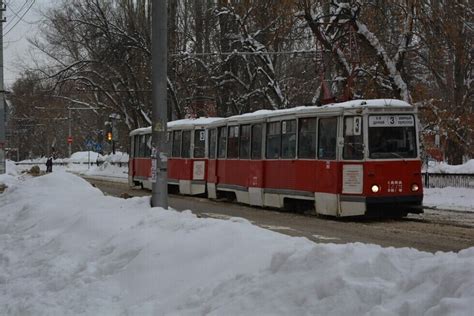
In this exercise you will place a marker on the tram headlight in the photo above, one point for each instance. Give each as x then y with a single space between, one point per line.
415 187
375 188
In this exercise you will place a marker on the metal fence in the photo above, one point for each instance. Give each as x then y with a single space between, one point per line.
442 180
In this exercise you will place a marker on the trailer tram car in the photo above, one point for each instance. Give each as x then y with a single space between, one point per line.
187 163
347 159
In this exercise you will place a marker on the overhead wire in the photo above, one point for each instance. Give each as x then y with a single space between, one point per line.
10 7
19 19
17 13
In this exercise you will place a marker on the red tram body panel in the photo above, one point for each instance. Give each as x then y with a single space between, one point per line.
140 168
349 159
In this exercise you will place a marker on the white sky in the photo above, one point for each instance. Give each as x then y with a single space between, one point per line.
21 24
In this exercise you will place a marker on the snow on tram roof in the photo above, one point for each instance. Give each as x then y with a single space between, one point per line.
194 122
181 123
369 103
140 131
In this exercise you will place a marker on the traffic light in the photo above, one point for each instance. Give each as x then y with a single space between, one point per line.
108 132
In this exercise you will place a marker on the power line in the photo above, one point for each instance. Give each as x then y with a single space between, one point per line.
241 53
20 19
14 12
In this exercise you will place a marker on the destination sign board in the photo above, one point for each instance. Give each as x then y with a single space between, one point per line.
391 120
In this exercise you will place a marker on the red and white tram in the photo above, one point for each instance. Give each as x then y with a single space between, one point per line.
346 159
187 155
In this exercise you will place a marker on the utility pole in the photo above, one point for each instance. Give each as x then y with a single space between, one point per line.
2 95
69 137
159 48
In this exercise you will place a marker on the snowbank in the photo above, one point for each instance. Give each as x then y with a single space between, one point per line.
442 167
105 171
41 160
85 156
117 157
108 169
10 168
455 199
10 175
65 248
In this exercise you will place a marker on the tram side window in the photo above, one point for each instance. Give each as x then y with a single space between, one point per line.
233 142
212 143
256 145
186 144
327 138
199 143
176 143
273 140
169 142
147 145
244 142
353 138
136 146
142 146
307 138
288 139
222 143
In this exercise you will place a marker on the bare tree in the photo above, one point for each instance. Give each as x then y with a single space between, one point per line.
332 26
229 57
446 41
103 47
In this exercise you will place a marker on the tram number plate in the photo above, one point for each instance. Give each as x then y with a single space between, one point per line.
394 186
357 125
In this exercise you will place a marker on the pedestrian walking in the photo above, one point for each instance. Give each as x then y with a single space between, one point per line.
49 164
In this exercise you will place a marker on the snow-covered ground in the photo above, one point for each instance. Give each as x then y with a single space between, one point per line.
66 249
449 198
84 157
79 164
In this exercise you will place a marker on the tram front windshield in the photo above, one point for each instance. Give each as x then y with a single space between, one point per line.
392 136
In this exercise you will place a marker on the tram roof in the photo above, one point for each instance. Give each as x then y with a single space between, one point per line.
261 114
184 123
353 104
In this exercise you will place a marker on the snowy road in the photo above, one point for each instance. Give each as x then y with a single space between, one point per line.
432 231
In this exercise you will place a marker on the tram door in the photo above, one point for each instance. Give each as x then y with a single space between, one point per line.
199 164
212 163
327 178
351 201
